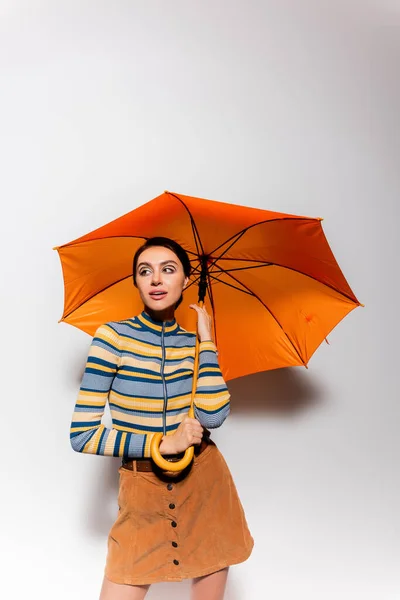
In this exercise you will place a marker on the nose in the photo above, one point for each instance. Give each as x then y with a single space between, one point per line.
156 279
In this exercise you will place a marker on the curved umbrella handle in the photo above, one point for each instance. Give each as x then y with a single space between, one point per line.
165 464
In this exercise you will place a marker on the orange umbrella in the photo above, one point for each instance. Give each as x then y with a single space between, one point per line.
270 279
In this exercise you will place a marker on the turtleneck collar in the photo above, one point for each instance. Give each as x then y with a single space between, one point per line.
157 326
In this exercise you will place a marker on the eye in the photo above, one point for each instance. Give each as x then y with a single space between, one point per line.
171 269
143 271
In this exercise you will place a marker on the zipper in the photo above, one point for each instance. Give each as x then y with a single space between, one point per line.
164 384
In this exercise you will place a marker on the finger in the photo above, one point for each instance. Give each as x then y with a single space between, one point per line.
192 421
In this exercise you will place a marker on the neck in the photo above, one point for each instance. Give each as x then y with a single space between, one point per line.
161 315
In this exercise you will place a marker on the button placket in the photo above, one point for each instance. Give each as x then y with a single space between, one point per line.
174 524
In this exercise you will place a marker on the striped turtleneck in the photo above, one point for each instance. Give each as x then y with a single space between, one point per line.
144 368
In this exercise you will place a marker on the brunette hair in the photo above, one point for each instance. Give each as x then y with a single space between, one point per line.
165 242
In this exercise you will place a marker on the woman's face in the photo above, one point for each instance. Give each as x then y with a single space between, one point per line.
160 278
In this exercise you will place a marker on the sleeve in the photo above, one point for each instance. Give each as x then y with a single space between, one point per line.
212 398
87 433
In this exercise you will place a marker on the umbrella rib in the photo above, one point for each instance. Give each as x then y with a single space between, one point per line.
243 231
266 264
193 223
98 292
274 264
100 239
271 313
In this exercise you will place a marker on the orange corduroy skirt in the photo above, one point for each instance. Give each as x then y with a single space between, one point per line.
171 528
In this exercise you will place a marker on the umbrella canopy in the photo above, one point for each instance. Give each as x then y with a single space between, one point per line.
270 279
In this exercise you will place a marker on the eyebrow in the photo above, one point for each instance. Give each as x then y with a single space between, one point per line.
164 262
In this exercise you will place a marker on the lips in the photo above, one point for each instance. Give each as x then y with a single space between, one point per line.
159 295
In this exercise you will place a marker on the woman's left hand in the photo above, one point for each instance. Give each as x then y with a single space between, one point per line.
203 322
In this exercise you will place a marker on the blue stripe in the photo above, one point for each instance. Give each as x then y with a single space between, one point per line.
139 379
158 381
117 443
100 361
151 371
137 370
208 374
126 445
86 389
99 372
138 411
85 423
88 407
129 427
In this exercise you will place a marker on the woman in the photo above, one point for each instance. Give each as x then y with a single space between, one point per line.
171 526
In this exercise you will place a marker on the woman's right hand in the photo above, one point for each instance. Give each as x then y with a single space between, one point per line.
188 433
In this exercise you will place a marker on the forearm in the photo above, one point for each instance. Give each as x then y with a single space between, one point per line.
212 399
105 441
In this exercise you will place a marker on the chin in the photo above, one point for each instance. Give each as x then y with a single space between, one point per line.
161 306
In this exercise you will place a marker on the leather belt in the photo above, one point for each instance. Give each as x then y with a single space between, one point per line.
147 464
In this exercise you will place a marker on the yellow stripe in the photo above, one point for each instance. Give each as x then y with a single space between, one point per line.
91 400
172 376
100 368
156 376
122 443
136 374
146 403
136 404
212 406
75 429
146 451
84 393
212 397
110 443
142 348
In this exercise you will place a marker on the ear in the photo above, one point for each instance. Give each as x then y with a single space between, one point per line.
185 282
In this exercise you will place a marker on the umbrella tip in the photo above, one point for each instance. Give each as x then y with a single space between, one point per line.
55 248
320 218
363 305
166 192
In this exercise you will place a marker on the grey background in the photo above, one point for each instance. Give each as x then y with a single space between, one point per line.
280 104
